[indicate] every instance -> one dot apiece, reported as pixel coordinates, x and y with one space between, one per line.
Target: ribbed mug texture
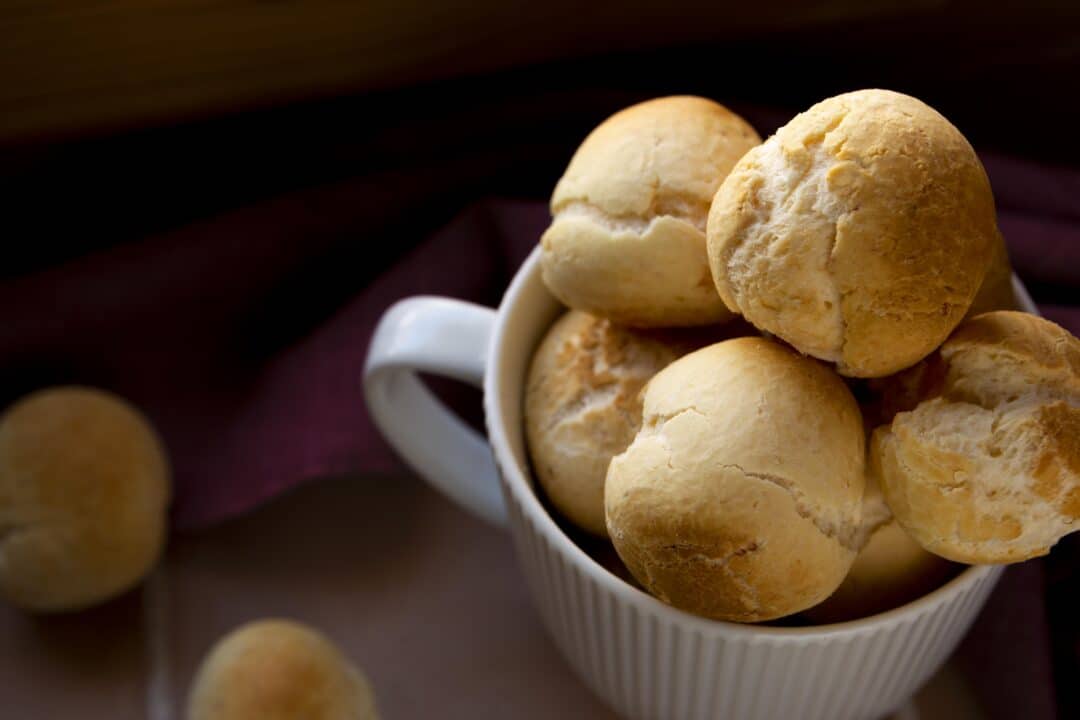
650 667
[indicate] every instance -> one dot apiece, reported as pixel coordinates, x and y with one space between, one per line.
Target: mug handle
443 337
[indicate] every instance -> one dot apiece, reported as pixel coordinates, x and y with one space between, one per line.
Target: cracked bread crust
860 232
739 498
987 469
627 239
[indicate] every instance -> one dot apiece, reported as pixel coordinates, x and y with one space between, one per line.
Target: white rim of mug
515 478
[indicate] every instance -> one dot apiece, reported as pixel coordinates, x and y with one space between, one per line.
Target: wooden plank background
76 66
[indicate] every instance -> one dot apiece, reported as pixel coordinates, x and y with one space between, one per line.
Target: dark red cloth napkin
206 329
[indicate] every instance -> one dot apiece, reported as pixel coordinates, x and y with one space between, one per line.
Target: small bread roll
583 406
739 499
279 670
627 239
996 291
84 487
988 470
891 569
859 232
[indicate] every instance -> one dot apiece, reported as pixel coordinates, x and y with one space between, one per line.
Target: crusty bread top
662 157
279 670
859 232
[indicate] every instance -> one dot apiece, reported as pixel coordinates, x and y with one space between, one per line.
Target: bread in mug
859 233
627 238
583 406
986 468
279 670
890 570
84 489
739 498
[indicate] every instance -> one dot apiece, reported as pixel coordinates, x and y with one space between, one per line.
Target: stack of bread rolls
732 469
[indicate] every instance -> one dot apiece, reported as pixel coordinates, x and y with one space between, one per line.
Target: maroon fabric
163 322
1007 655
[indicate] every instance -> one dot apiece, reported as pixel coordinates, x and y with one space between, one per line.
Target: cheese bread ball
627 238
859 233
279 670
739 498
84 489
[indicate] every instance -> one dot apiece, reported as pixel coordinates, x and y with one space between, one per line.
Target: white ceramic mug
645 658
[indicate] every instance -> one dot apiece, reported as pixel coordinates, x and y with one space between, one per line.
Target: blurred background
207 203
128 118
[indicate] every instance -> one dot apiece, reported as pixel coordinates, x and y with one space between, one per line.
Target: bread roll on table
279 670
84 489
986 469
860 232
739 498
627 239
996 291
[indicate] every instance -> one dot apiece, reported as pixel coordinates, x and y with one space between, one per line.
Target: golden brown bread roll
84 486
859 232
988 469
739 499
627 238
583 406
279 670
891 568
